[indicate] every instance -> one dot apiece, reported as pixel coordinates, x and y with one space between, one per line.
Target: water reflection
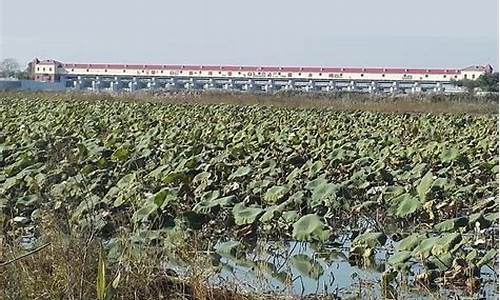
300 269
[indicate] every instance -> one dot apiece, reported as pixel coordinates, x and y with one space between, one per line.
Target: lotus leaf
246 215
425 186
451 224
410 242
399 258
276 193
487 258
310 228
242 171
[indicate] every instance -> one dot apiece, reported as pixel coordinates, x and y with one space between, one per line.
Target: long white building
252 78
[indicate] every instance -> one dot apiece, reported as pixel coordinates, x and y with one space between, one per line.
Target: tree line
10 68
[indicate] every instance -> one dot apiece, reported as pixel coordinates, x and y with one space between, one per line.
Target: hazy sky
423 33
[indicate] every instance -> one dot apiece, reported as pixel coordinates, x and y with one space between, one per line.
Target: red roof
259 68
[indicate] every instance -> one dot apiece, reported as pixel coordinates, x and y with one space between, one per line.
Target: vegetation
9 67
133 199
487 83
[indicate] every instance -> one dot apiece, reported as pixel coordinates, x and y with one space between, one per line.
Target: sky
367 33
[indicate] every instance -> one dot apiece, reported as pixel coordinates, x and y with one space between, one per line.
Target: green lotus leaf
142 214
121 154
293 175
449 154
446 243
399 258
423 250
410 242
443 262
242 171
201 177
290 216
275 193
407 206
311 185
174 177
206 206
270 213
323 193
315 169
163 197
369 240
451 224
126 181
310 228
471 255
425 185
246 215
487 258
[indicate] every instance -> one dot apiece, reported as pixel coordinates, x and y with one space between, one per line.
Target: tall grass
73 265
437 103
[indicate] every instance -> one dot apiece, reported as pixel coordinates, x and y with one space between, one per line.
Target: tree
486 82
9 67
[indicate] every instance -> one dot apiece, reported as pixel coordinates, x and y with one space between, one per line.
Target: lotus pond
277 200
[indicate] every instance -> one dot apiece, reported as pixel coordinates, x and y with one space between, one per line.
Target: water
294 268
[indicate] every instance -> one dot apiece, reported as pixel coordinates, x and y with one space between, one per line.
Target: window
87 70
444 76
50 69
362 75
310 75
330 75
239 73
105 70
38 68
143 71
37 77
220 72
300 74
465 76
473 76
456 76
72 70
180 72
161 71
209 73
43 69
190 72
229 73
124 71
279 73
289 74
320 74
426 75
383 75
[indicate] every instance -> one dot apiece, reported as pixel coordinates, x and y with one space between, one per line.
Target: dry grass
68 269
454 104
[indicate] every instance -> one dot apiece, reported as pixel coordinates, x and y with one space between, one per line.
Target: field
120 198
